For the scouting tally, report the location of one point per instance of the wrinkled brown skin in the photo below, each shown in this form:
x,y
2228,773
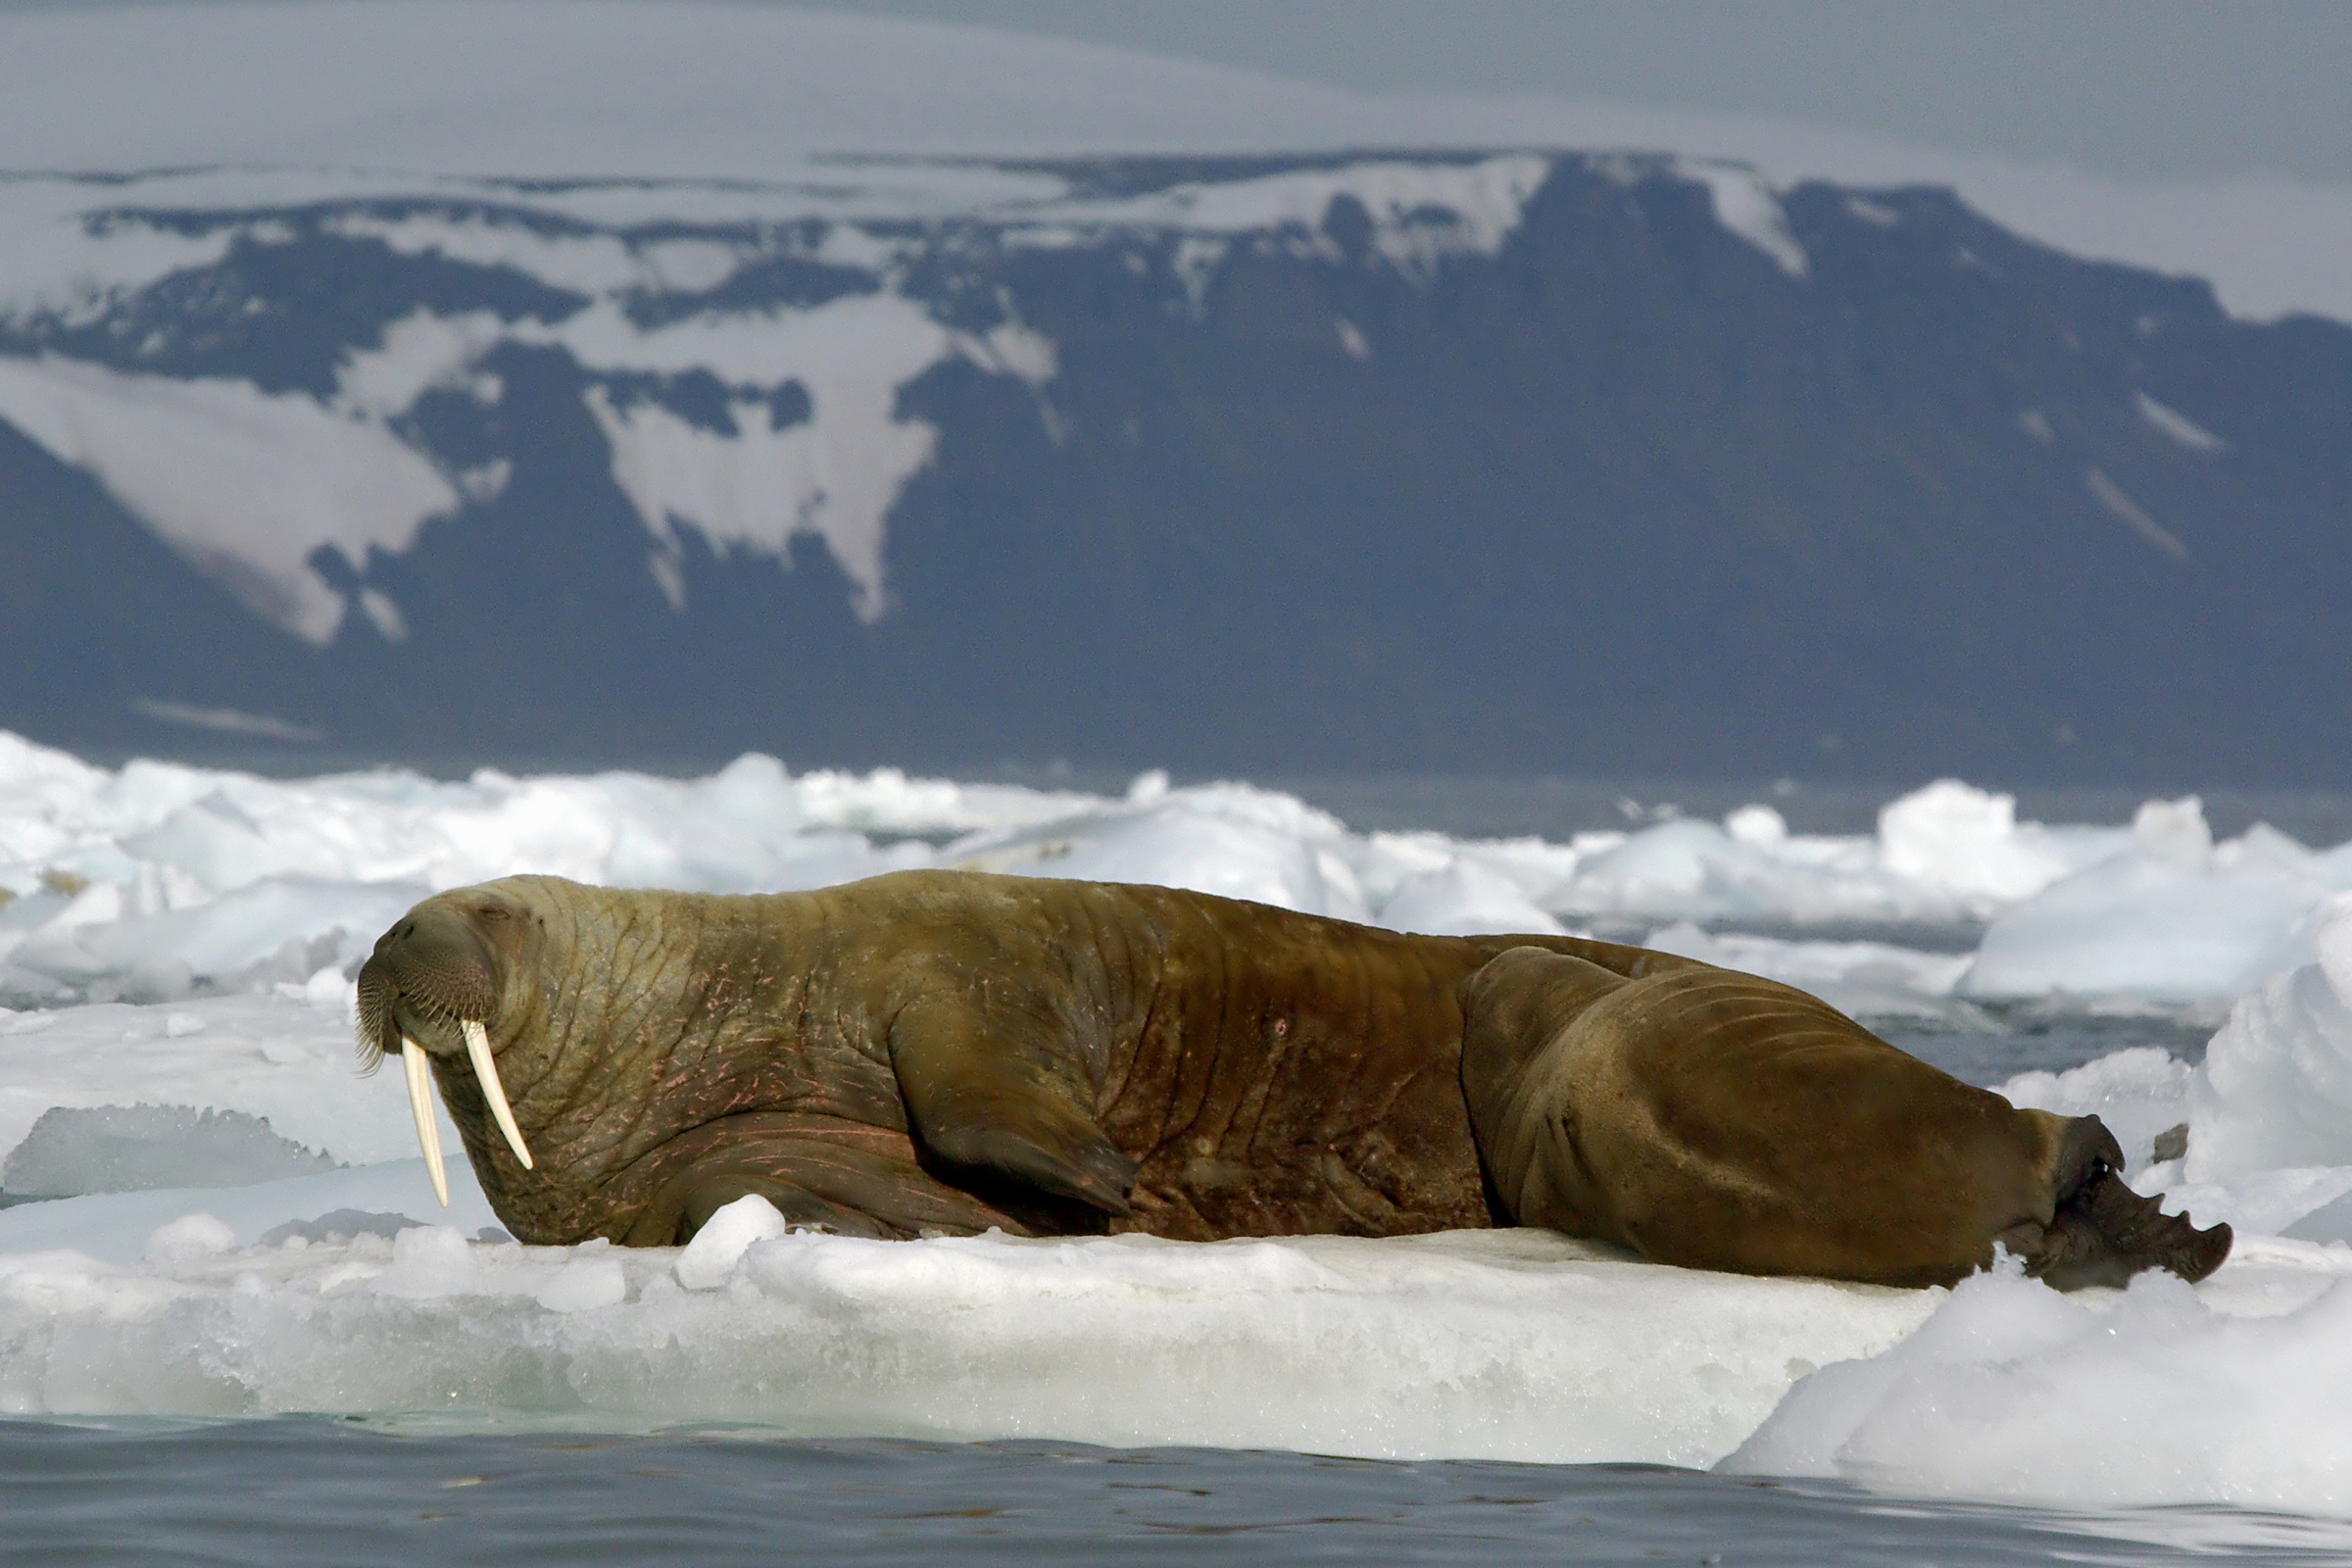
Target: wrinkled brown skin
x,y
932,1053
1714,1120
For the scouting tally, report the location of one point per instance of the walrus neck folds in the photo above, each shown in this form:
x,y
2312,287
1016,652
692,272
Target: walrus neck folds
x,y
612,990
436,986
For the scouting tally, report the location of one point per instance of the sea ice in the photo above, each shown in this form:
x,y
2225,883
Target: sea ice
x,y
128,1149
2276,1086
1510,1344
227,912
160,881
2158,1394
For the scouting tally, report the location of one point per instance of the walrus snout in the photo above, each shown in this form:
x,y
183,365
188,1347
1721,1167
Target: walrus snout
x,y
428,974
433,984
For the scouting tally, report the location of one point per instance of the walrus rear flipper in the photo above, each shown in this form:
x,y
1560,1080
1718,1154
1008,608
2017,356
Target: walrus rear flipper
x,y
2104,1232
978,1099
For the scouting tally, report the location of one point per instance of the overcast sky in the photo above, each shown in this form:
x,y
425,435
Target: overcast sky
x,y
2130,87
2135,87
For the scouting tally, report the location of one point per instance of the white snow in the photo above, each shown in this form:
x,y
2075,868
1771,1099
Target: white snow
x,y
418,352
2119,503
2230,1393
2178,426
243,483
1420,211
228,909
1745,205
2276,1088
835,476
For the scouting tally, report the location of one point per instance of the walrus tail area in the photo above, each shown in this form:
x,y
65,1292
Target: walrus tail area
x,y
2103,1232
1717,1120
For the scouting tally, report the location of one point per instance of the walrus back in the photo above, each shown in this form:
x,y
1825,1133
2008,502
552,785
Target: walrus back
x,y
1718,1120
1285,1073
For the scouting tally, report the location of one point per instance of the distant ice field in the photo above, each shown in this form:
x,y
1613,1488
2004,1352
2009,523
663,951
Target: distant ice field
x,y
211,1215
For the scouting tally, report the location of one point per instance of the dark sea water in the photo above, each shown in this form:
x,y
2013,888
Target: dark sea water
x,y
321,1492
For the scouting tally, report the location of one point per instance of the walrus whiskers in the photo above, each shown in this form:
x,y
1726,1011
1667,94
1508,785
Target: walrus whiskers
x,y
478,1050
421,1106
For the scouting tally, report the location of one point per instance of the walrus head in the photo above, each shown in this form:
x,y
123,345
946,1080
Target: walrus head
x,y
437,985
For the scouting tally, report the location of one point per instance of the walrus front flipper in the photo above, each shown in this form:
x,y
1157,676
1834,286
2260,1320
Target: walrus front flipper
x,y
976,1099
850,1180
709,1192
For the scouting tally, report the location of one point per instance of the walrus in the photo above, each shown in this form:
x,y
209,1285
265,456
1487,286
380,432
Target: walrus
x,y
945,1051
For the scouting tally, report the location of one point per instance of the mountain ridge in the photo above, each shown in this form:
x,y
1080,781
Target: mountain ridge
x,y
1477,461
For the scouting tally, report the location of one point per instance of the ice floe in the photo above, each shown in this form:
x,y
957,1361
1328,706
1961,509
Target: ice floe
x,y
160,881
243,1227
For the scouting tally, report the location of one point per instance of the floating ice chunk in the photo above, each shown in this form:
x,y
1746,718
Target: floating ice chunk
x,y
2139,1093
127,1149
429,1261
274,1056
1464,898
724,1238
1951,835
115,1226
1862,979
188,1237
216,843
1227,839
2276,1086
2259,1202
2011,1390
232,934
176,880
2166,920
2330,1221
584,1285
1682,867
337,1225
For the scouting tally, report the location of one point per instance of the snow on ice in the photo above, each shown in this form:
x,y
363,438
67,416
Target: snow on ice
x,y
226,1213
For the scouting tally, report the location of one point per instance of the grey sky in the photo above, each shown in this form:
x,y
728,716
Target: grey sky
x,y
2135,87
2180,88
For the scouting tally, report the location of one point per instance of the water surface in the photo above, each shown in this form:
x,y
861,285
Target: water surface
x,y
311,1491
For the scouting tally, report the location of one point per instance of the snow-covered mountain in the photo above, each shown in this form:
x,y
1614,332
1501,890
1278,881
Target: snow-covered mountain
x,y
1473,461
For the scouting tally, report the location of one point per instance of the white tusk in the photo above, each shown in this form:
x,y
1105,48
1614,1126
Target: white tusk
x,y
477,1047
420,1106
